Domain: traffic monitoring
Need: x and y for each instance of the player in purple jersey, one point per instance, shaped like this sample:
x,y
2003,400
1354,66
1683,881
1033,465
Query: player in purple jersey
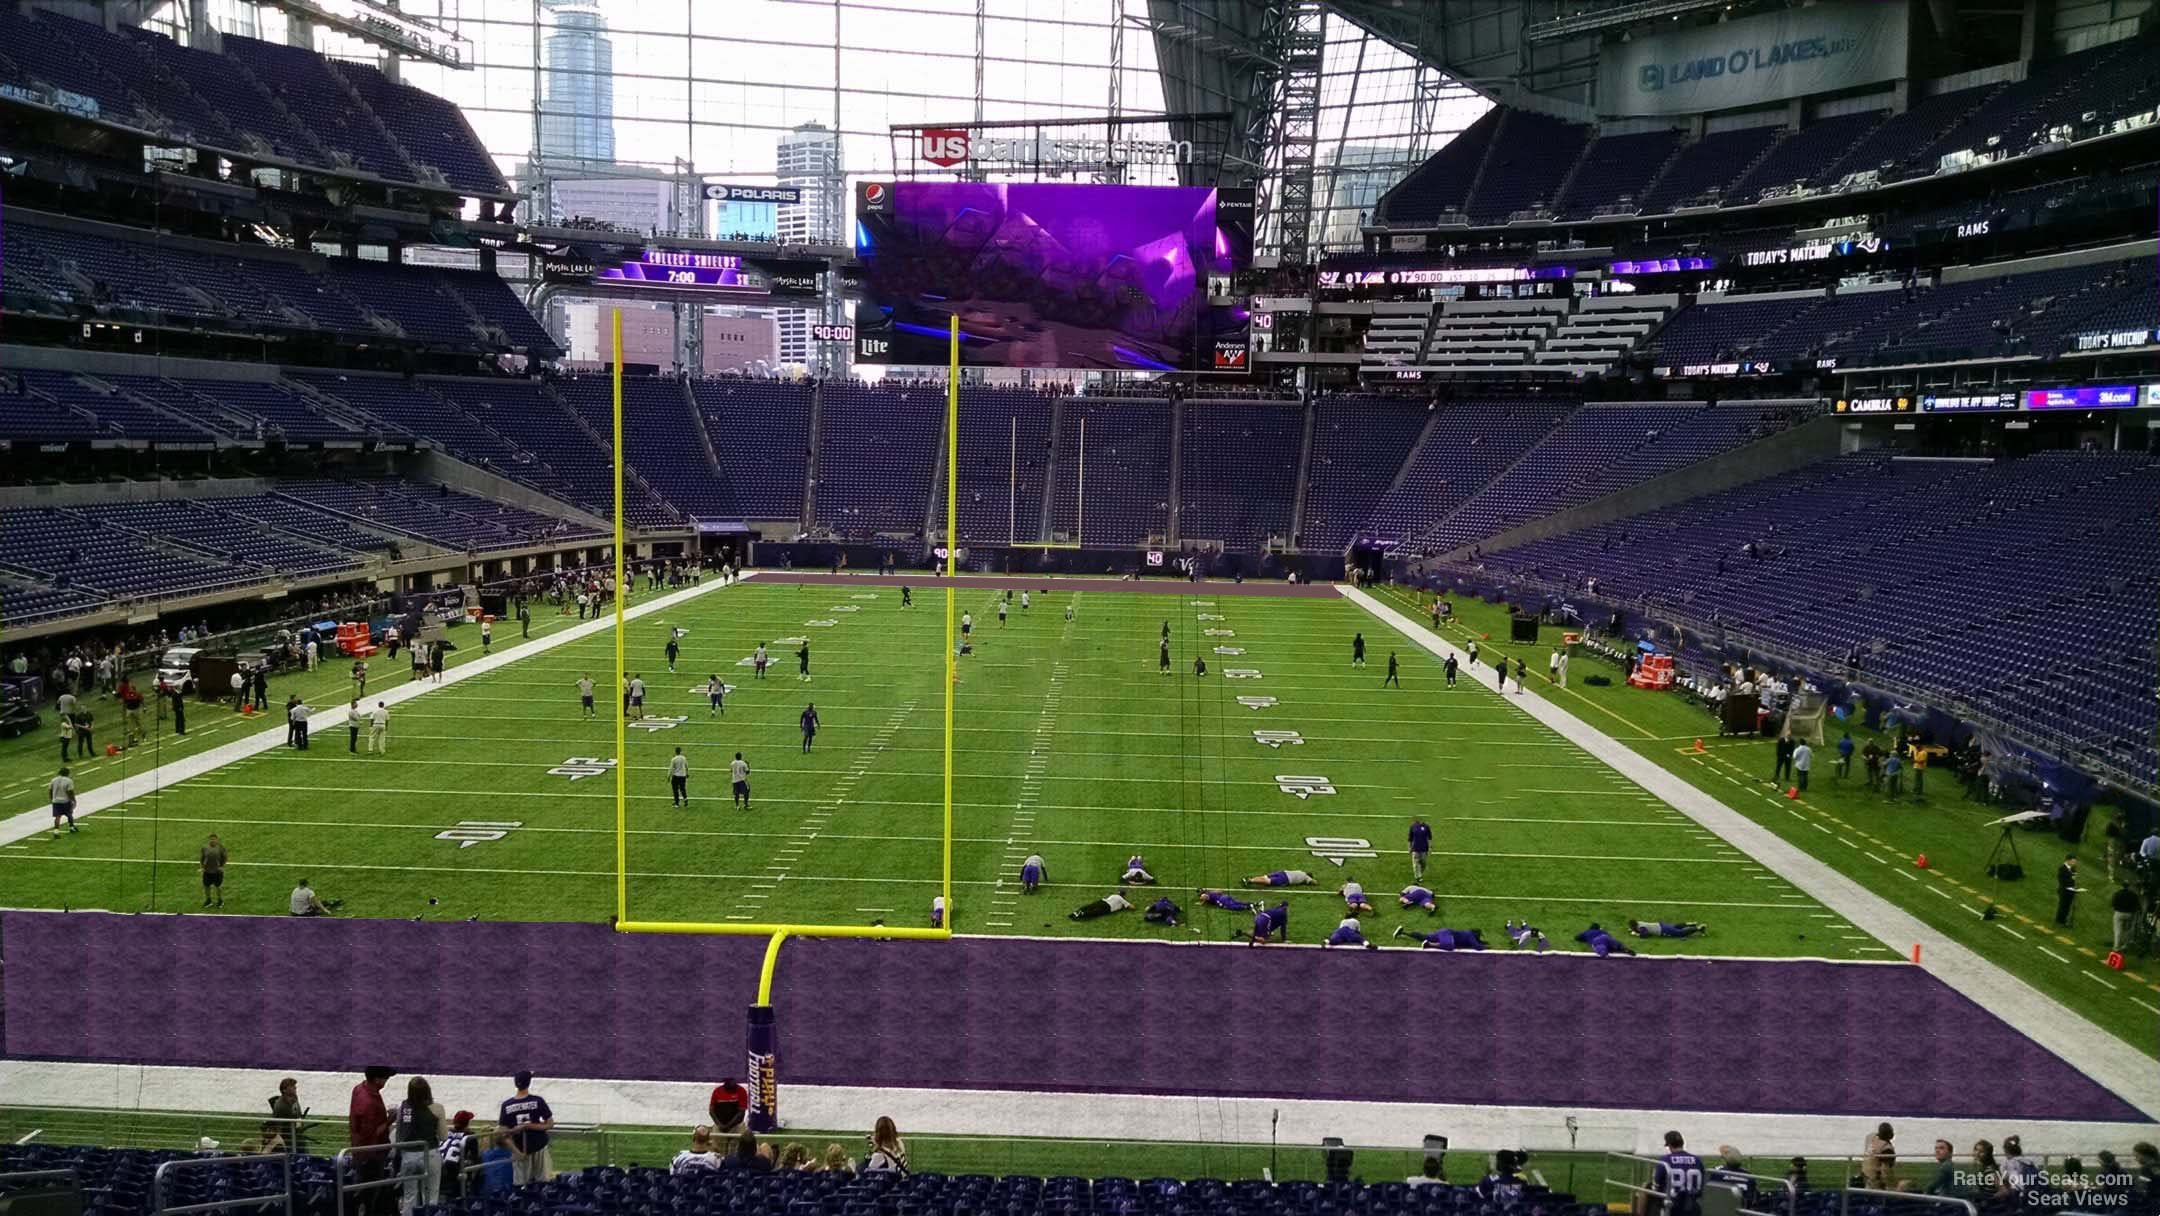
x,y
1163,911
1266,924
1280,878
1601,942
1666,928
1678,1175
1033,873
1419,897
1353,895
937,911
1136,874
1445,939
1212,898
1420,845
1348,933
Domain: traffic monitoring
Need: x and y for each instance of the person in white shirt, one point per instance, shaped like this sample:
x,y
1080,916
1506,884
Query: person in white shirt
x,y
62,791
378,740
1803,759
637,696
1560,672
487,634
239,692
584,689
678,769
296,720
739,773
1113,902
699,1156
1023,601
2150,849
306,903
311,653
937,911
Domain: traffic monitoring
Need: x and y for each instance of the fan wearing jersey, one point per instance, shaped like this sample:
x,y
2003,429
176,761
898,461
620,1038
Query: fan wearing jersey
x,y
1280,878
1504,1186
1678,1176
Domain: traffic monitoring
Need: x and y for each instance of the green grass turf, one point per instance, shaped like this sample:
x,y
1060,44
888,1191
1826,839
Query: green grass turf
x,y
1867,837
1130,761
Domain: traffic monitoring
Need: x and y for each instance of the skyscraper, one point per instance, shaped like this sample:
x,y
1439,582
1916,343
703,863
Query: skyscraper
x,y
809,157
577,120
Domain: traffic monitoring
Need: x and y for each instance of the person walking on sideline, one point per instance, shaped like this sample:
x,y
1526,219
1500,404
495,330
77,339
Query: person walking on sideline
x,y
2125,906
61,790
679,778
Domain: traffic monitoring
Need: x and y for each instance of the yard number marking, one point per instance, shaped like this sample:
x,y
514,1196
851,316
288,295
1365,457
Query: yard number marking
x,y
1279,738
1241,673
656,724
1257,702
577,768
1339,849
1230,650
470,832
1303,787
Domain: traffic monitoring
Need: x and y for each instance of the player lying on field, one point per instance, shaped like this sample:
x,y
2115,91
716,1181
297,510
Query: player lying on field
x,y
1280,878
1601,942
1444,939
1666,928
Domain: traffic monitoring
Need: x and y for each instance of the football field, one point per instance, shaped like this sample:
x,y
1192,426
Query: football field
x,y
496,797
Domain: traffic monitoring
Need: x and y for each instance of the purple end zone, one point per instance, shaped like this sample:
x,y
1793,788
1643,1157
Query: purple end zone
x,y
1035,582
989,1013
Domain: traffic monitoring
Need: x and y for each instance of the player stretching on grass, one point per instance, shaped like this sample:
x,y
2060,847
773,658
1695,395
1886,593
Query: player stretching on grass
x,y
1136,874
1113,902
1266,924
1033,873
1600,942
1663,928
1280,878
1525,934
1353,895
1211,898
1419,897
1348,933
1445,939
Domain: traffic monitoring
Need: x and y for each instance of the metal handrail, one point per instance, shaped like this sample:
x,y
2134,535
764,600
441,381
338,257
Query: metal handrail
x,y
342,1164
157,1184
1845,1201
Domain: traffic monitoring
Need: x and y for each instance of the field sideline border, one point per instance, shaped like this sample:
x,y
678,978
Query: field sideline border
x,y
1044,1113
2101,1055
26,824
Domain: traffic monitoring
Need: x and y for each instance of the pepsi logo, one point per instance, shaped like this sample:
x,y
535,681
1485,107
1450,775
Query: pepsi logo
x,y
873,193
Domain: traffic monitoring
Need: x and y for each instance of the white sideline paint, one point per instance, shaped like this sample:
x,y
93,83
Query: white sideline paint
x,y
2129,1072
29,823
971,1112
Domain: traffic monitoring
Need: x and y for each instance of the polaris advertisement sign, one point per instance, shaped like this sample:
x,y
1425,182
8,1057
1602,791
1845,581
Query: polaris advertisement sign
x,y
1777,56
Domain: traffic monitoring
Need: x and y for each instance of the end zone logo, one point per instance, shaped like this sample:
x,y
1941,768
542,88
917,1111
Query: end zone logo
x,y
944,145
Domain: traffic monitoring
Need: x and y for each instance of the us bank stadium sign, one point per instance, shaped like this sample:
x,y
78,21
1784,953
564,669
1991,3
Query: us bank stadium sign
x,y
951,146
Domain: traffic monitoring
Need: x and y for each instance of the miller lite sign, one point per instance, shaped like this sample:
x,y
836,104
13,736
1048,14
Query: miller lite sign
x,y
944,146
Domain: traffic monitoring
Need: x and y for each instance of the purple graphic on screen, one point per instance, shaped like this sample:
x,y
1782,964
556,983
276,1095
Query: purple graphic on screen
x,y
1043,275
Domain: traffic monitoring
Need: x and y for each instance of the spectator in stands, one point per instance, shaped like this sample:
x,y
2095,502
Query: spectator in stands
x,y
419,1121
367,1122
1944,1180
459,1149
286,1109
836,1161
1430,1176
794,1159
749,1156
2020,1173
888,1152
729,1106
527,1118
498,1171
700,1154
1878,1157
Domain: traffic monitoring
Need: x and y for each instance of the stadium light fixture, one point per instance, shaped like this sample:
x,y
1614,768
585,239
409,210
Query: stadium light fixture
x,y
1601,17
386,27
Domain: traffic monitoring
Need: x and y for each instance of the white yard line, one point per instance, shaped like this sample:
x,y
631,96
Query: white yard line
x,y
31,822
2111,1061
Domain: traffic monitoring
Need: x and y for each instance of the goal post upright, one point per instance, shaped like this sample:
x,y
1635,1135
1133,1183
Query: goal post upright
x,y
622,759
762,1030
